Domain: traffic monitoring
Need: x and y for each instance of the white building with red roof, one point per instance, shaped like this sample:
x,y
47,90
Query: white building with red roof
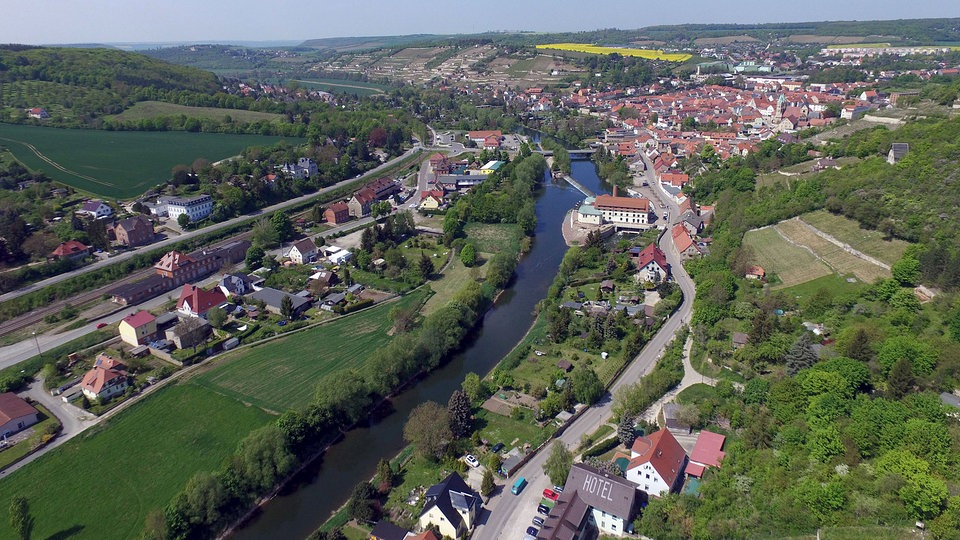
x,y
651,264
16,414
71,249
195,301
624,212
657,463
684,243
706,453
105,380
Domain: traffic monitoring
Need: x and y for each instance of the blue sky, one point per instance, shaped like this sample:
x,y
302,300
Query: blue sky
x,y
112,21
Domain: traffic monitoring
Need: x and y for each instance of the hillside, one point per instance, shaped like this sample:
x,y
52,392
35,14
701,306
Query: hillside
x,y
79,85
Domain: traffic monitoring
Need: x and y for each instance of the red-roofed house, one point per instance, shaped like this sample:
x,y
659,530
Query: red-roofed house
x,y
431,200
755,272
629,212
657,463
706,453
674,179
195,301
359,204
16,414
337,213
70,249
102,383
684,242
651,263
138,328
480,137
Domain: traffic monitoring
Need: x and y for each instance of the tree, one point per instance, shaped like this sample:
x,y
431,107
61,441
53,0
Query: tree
x,y
428,430
906,271
900,380
801,355
359,506
425,266
264,234
281,223
487,485
625,431
286,307
183,220
385,475
473,386
587,387
859,347
216,316
558,463
468,255
254,258
20,520
460,413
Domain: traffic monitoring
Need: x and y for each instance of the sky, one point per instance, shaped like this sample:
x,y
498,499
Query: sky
x,y
43,22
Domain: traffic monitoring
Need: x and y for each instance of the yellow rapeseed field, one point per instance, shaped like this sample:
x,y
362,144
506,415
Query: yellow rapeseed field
x,y
649,54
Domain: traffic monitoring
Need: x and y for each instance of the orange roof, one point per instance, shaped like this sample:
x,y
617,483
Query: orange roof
x,y
199,300
681,238
68,248
707,450
756,271
173,260
139,318
622,203
97,378
662,451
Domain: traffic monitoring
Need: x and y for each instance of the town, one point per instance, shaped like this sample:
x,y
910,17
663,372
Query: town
x,y
485,287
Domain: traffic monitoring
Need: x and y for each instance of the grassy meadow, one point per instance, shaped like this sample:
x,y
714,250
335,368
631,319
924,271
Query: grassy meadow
x,y
339,86
134,464
143,110
282,374
848,231
117,164
792,264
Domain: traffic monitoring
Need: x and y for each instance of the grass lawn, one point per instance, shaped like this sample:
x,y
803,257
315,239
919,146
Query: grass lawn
x,y
25,446
153,109
836,284
493,238
454,277
353,532
696,393
341,86
282,374
496,428
137,465
792,264
833,255
114,164
848,231
418,472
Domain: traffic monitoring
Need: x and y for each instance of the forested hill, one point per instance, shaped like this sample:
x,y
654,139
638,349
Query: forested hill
x,y
101,68
921,31
84,84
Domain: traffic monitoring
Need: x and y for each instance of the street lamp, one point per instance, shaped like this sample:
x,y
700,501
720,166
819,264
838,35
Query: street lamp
x,y
37,342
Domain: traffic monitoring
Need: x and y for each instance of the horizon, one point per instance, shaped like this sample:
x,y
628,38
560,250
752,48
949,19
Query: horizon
x,y
183,22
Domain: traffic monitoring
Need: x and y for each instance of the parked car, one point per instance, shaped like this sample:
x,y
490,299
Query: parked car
x,y
538,521
543,509
558,489
101,325
551,494
528,537
282,323
471,461
533,531
497,447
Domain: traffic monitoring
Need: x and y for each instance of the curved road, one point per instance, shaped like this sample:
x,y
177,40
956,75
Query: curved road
x,y
509,515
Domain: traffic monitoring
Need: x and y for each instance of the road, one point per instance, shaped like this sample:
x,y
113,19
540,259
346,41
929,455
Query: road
x,y
508,515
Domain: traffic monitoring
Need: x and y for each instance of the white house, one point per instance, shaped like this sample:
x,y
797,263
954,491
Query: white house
x,y
651,264
588,213
452,506
657,463
16,414
196,208
593,500
108,378
627,212
96,209
303,251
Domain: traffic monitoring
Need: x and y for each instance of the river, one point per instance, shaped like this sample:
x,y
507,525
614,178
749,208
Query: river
x,y
323,487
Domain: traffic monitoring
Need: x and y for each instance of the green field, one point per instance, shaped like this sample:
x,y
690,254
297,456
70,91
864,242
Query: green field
x,y
338,86
137,465
117,164
282,374
792,264
848,231
492,239
153,109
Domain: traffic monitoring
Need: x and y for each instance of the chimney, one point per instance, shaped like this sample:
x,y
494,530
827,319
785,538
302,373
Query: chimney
x,y
615,191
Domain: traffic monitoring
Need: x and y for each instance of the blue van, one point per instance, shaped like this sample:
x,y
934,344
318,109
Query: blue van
x,y
518,485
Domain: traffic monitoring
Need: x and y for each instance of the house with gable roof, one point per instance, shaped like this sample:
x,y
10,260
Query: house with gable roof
x,y
452,506
16,414
138,328
592,501
195,301
707,452
107,379
651,264
96,209
657,463
71,249
684,242
303,251
133,231
337,213
359,204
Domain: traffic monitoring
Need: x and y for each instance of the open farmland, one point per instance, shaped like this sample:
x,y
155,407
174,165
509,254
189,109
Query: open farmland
x,y
134,464
792,264
836,257
282,374
117,164
341,86
143,110
649,54
848,231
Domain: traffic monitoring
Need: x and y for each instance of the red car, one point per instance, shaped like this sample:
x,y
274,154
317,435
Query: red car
x,y
101,325
550,494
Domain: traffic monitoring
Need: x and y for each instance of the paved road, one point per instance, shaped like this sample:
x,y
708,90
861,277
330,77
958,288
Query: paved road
x,y
508,515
